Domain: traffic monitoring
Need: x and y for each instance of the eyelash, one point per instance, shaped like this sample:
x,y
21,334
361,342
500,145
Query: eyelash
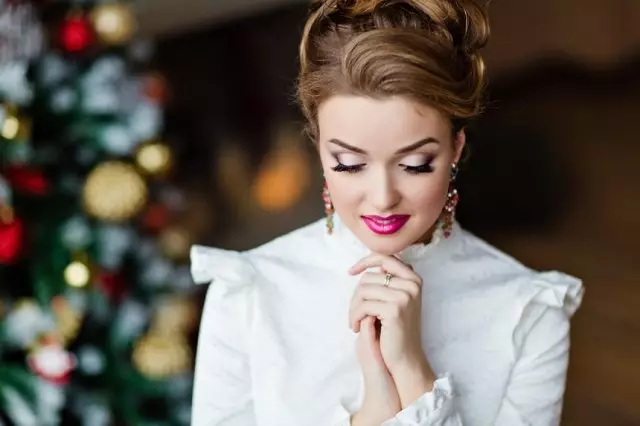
x,y
414,170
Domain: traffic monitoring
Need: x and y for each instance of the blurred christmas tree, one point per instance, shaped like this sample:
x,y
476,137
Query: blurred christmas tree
x,y
96,311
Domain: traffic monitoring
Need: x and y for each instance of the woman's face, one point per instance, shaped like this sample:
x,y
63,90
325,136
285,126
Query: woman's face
x,y
388,165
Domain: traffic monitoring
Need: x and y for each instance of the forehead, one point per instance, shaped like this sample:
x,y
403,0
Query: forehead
x,y
390,122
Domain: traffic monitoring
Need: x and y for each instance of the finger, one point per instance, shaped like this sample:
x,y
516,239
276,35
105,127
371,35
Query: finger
x,y
360,326
368,327
389,263
367,277
381,293
412,288
371,308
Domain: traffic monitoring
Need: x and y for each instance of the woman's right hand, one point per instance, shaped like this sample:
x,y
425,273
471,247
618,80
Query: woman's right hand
x,y
381,401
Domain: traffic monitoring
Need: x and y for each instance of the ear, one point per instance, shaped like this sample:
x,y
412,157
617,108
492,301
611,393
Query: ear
x,y
458,145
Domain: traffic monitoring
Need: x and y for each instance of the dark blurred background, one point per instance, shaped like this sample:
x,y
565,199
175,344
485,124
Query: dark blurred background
x,y
552,178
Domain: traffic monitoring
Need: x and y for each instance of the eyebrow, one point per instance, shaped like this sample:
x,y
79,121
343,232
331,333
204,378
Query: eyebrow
x,y
404,150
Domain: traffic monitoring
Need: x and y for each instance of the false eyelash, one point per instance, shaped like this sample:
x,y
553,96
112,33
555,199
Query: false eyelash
x,y
349,169
427,167
416,170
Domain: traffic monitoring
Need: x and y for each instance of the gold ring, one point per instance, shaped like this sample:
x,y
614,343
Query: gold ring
x,y
387,280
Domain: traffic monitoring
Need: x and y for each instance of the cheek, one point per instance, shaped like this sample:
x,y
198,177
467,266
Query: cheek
x,y
342,191
430,194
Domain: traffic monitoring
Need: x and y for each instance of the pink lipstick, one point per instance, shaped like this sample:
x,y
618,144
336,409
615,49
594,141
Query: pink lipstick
x,y
386,225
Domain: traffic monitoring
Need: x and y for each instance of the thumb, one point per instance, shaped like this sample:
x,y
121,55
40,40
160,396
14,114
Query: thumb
x,y
375,373
371,337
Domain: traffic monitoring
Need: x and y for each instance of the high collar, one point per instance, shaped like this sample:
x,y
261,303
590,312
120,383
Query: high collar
x,y
419,252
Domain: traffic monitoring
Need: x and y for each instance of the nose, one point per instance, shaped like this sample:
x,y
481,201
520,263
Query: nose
x,y
383,193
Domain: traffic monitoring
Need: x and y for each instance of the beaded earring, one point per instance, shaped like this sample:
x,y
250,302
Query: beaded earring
x,y
449,212
328,208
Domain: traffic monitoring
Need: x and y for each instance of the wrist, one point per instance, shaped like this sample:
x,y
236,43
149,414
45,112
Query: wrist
x,y
413,379
365,417
375,412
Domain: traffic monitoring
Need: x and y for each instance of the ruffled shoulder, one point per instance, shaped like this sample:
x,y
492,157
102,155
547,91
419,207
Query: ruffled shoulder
x,y
227,267
558,290
554,295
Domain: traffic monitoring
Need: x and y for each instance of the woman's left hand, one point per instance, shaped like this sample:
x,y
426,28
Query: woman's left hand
x,y
399,308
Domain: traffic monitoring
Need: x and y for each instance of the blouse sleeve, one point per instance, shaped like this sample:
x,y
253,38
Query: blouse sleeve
x,y
222,385
541,341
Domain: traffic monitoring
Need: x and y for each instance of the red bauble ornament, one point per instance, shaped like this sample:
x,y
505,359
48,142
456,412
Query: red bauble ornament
x,y
155,88
76,33
11,241
156,218
51,361
23,179
113,285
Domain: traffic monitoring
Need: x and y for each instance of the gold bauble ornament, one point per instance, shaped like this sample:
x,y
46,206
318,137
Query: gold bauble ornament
x,y
77,274
114,23
68,319
114,192
14,127
175,314
175,242
162,356
154,159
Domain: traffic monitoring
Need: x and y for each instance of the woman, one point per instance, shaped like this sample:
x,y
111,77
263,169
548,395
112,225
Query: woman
x,y
389,313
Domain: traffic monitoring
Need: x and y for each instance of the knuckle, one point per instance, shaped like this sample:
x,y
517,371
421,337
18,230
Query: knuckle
x,y
417,279
414,288
404,299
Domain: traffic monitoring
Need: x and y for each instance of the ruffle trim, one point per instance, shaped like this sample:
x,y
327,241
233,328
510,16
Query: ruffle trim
x,y
558,290
433,405
211,265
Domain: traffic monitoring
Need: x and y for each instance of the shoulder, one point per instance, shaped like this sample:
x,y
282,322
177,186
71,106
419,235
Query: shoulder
x,y
488,266
234,268
523,303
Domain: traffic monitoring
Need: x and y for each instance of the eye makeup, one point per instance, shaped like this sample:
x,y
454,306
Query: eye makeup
x,y
422,164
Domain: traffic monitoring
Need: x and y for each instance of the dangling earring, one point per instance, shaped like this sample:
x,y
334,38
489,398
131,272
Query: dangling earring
x,y
328,208
449,212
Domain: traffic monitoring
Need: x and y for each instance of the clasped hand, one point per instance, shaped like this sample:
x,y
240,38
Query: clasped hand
x,y
389,346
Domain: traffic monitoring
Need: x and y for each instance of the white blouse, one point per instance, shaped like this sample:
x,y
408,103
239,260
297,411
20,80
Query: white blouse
x,y
275,348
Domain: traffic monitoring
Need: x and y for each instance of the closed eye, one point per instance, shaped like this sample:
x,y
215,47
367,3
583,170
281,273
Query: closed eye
x,y
422,165
416,170
349,169
348,163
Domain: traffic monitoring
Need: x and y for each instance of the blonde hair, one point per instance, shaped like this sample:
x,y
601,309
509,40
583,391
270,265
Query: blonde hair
x,y
424,49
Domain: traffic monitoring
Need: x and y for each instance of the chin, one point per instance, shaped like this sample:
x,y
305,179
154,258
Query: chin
x,y
388,245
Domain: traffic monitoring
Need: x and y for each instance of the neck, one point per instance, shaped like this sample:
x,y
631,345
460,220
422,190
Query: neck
x,y
427,236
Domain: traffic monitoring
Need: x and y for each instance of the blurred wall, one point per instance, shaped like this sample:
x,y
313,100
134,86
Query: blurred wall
x,y
162,17
595,32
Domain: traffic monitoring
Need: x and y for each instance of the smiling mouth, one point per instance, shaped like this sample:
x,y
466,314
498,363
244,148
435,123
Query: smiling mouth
x,y
385,225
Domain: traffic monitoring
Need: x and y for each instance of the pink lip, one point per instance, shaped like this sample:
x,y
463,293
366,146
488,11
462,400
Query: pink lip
x,y
386,225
